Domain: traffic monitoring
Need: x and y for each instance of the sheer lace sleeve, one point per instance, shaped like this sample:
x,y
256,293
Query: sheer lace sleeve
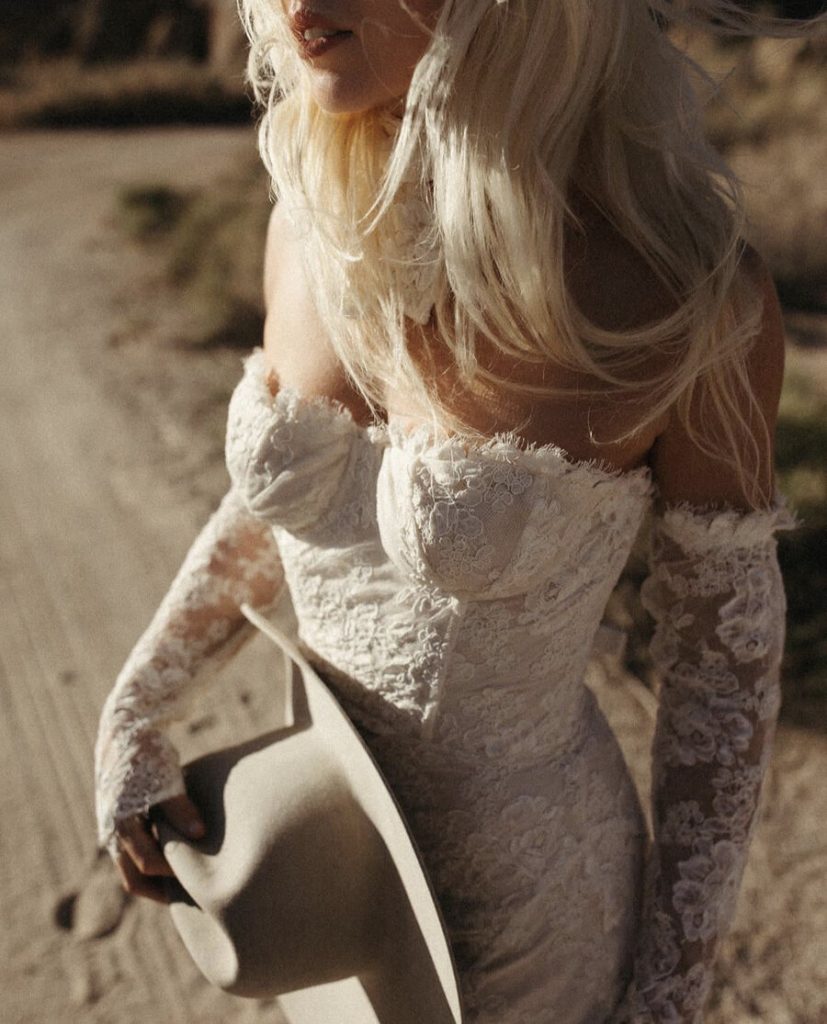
x,y
197,627
716,594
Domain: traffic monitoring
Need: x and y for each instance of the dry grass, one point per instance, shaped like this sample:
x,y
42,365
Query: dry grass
x,y
802,476
65,93
211,245
769,117
148,212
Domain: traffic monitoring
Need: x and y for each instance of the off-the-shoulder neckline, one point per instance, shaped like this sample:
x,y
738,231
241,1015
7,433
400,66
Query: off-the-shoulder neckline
x,y
424,441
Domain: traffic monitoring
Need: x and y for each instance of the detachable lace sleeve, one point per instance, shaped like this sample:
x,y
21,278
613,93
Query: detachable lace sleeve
x,y
716,594
197,627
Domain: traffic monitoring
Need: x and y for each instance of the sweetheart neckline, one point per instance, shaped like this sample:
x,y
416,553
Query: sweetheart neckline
x,y
504,446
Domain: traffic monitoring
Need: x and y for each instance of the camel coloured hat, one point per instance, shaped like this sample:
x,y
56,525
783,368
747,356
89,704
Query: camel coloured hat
x,y
307,885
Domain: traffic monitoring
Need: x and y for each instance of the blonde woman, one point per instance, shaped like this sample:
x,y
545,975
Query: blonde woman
x,y
509,313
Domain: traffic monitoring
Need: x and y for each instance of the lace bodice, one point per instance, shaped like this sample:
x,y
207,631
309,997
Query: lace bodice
x,y
450,593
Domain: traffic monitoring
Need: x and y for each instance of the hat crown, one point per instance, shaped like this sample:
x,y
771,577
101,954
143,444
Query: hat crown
x,y
307,874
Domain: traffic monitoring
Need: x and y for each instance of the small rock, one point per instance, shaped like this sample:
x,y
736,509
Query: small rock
x,y
64,912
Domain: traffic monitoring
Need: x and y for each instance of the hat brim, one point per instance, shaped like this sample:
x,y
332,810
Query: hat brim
x,y
415,977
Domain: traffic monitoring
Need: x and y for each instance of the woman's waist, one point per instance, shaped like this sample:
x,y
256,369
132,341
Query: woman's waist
x,y
506,725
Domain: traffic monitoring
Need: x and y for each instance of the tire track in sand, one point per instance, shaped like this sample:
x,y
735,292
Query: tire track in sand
x,y
82,569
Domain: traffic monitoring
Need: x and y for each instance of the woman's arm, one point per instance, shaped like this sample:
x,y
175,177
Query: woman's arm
x,y
716,594
197,627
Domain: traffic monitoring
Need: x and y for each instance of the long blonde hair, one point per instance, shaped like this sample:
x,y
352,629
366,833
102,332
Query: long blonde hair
x,y
465,199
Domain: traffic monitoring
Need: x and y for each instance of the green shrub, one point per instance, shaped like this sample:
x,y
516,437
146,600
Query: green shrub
x,y
145,212
802,476
216,255
212,249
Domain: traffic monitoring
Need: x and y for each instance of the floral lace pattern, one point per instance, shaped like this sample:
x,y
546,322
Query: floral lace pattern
x,y
450,593
197,627
717,598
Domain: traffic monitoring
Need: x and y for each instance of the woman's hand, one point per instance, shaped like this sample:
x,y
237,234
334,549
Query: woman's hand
x,y
140,860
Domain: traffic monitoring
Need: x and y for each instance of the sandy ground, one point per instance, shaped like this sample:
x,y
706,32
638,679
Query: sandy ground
x,y
91,533
104,479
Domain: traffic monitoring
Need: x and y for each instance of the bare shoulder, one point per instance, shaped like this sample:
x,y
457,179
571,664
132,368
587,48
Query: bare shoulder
x,y
296,343
287,302
686,473
281,253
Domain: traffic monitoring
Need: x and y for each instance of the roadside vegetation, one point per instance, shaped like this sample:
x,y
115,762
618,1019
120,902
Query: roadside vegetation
x,y
802,477
769,117
210,246
66,93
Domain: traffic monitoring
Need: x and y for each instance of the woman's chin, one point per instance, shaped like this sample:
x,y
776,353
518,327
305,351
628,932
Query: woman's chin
x,y
342,98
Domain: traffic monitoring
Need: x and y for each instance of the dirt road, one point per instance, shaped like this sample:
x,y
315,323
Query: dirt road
x,y
99,497
90,533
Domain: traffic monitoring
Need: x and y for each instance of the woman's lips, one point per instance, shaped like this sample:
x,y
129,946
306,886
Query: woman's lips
x,y
316,47
315,33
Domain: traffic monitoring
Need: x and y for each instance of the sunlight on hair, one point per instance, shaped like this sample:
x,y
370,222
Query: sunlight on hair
x,y
459,211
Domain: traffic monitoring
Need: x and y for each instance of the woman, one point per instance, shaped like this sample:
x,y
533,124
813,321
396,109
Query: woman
x,y
509,311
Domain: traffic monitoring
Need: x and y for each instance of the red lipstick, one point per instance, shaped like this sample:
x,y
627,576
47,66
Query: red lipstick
x,y
315,33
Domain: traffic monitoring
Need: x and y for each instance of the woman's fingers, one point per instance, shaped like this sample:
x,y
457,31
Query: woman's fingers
x,y
140,860
137,883
183,816
137,841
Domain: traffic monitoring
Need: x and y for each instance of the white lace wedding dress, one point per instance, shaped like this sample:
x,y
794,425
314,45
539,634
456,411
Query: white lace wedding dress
x,y
450,593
